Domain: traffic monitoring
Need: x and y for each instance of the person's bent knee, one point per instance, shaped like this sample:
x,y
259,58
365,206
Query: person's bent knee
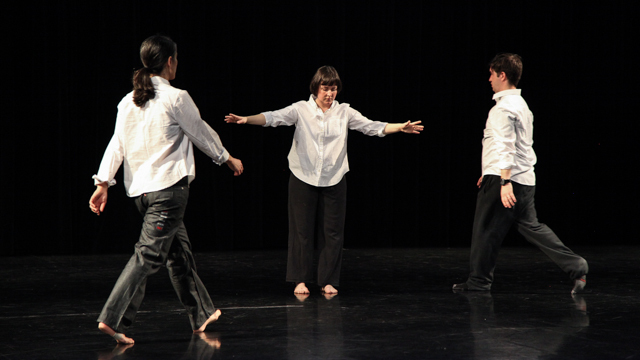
x,y
583,266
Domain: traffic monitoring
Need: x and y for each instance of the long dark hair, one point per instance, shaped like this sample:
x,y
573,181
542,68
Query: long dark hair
x,y
154,53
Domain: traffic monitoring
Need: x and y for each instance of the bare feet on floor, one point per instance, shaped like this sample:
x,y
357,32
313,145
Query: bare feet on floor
x,y
211,319
120,338
301,288
329,289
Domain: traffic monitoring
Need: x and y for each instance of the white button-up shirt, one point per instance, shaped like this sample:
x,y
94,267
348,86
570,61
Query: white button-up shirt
x,y
155,141
318,154
508,138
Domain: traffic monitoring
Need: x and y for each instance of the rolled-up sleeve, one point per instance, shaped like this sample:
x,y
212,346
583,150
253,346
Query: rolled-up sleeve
x,y
284,117
111,161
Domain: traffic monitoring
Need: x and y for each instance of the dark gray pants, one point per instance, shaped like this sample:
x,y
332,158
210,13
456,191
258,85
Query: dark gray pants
x,y
492,222
163,241
314,210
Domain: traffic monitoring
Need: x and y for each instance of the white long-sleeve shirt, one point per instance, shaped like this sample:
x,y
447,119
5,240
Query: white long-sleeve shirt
x,y
155,142
508,138
318,154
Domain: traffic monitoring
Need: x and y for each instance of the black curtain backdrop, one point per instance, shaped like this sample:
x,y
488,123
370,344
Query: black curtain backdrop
x,y
69,64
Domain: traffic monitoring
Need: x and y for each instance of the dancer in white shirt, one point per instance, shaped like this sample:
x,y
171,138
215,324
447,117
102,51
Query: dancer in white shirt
x,y
507,185
317,184
155,130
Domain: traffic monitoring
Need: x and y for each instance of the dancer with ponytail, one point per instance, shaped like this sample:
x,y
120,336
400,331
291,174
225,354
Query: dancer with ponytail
x,y
156,128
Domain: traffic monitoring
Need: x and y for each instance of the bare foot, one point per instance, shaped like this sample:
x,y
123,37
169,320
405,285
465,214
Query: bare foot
x,y
117,351
579,302
120,338
211,319
120,349
211,339
329,296
329,289
302,297
301,288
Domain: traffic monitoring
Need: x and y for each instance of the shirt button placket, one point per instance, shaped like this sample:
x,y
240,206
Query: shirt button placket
x,y
320,149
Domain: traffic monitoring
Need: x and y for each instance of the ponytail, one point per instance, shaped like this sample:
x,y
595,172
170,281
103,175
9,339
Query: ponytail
x,y
143,89
154,53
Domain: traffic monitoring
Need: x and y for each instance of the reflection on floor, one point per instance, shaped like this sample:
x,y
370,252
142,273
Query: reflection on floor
x,y
393,304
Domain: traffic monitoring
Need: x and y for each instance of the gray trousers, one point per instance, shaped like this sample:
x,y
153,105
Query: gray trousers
x,y
316,211
163,241
492,222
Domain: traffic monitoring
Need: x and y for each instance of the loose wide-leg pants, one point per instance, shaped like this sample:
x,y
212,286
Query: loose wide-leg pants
x,y
327,206
492,222
163,241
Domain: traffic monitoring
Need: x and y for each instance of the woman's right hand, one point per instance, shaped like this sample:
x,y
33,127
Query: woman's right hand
x,y
235,119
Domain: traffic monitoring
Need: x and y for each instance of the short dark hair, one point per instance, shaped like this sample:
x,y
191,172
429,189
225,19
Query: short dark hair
x,y
154,53
510,64
326,75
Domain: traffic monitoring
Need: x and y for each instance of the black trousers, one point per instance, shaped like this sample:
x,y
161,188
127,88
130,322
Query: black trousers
x,y
163,242
492,222
314,210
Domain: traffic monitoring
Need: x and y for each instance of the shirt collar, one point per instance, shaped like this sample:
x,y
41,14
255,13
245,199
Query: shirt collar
x,y
502,93
159,80
314,104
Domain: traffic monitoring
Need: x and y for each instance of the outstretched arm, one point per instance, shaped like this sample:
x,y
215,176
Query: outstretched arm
x,y
408,128
253,120
99,198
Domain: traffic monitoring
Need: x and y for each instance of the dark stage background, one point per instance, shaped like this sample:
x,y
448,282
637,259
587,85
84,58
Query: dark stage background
x,y
69,64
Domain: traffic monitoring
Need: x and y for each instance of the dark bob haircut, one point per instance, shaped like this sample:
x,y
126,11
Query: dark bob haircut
x,y
326,75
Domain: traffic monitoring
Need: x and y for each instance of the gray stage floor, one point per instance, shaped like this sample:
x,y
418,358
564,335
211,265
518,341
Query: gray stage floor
x,y
393,304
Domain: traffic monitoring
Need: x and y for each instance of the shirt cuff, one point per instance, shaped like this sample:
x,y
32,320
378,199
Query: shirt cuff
x,y
97,181
268,118
381,131
505,165
222,159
